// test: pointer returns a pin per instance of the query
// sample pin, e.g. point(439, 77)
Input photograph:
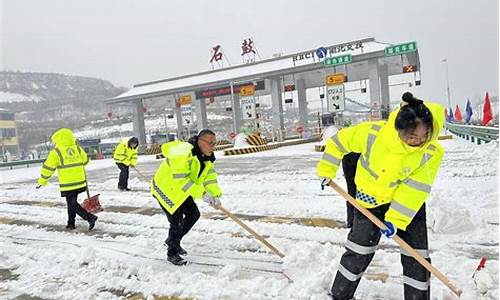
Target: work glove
point(211, 200)
point(391, 230)
point(324, 182)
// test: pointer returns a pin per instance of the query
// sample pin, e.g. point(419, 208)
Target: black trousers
point(74, 208)
point(349, 163)
point(123, 180)
point(360, 248)
point(181, 221)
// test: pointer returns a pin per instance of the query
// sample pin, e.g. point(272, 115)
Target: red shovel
point(91, 204)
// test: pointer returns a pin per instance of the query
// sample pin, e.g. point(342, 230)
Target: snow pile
point(454, 205)
point(312, 257)
point(449, 220)
point(483, 280)
point(240, 141)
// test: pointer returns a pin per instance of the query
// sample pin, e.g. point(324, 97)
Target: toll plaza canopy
point(364, 59)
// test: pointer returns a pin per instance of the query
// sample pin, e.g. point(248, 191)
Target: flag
point(449, 117)
point(487, 113)
point(468, 112)
point(458, 114)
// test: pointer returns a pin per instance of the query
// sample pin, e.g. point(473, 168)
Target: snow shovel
point(252, 232)
point(91, 204)
point(398, 240)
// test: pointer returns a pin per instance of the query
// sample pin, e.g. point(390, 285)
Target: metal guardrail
point(474, 133)
point(15, 163)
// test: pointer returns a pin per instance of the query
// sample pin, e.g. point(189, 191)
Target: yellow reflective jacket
point(68, 158)
point(125, 155)
point(178, 177)
point(388, 170)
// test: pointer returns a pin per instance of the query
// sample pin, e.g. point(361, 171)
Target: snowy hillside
point(275, 192)
point(12, 97)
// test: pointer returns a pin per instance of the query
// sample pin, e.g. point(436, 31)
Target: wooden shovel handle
point(252, 232)
point(140, 174)
point(86, 183)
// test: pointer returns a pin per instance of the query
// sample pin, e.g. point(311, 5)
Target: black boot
point(178, 248)
point(176, 260)
point(70, 226)
point(92, 222)
point(182, 251)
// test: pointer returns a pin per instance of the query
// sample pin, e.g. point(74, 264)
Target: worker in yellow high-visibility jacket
point(397, 167)
point(69, 159)
point(187, 173)
point(125, 156)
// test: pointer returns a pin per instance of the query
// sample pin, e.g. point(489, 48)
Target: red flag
point(487, 113)
point(458, 114)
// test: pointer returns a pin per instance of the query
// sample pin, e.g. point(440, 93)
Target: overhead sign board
point(248, 90)
point(185, 100)
point(187, 114)
point(323, 52)
point(409, 69)
point(335, 79)
point(248, 108)
point(338, 60)
point(400, 49)
point(226, 90)
point(336, 98)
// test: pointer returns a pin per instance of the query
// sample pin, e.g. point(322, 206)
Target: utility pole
point(445, 61)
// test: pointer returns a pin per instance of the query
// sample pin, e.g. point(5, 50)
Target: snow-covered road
point(276, 193)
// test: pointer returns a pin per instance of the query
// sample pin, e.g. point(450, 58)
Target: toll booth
point(161, 138)
point(96, 149)
point(91, 147)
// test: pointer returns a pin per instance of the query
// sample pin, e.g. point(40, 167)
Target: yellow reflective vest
point(68, 158)
point(125, 155)
point(388, 170)
point(178, 177)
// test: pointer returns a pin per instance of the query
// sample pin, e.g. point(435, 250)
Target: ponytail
point(413, 112)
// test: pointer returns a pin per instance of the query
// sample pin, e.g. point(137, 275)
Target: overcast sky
point(128, 42)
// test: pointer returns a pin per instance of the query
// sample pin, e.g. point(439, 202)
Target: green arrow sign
point(338, 60)
point(400, 49)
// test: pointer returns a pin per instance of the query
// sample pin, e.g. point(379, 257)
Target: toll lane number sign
point(336, 98)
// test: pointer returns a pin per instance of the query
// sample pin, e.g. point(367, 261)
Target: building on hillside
point(9, 144)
